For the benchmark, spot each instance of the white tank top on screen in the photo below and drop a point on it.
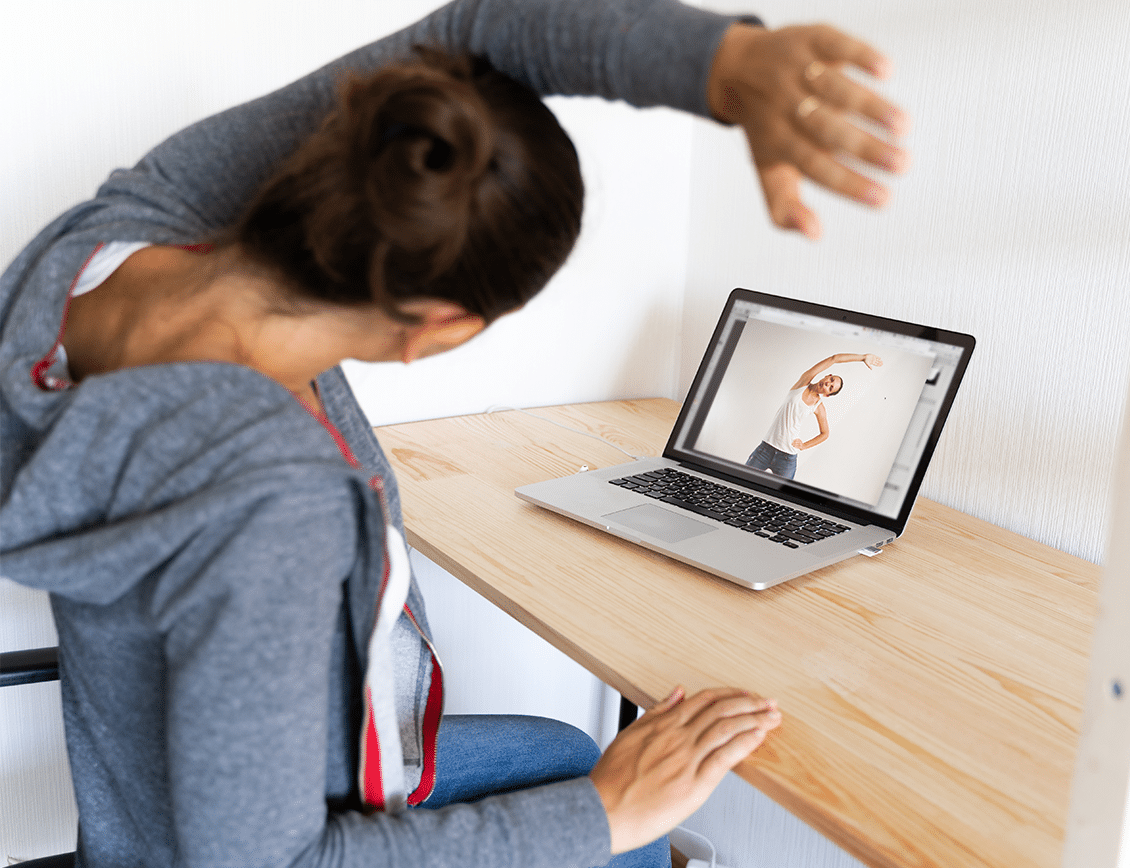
(786, 426)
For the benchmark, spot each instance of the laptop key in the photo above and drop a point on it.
(695, 508)
(772, 521)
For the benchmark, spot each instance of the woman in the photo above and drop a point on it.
(246, 667)
(778, 451)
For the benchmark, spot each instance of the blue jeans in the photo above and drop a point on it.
(479, 756)
(766, 457)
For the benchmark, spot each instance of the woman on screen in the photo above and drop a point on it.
(778, 451)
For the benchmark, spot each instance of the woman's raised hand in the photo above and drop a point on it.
(804, 117)
(663, 767)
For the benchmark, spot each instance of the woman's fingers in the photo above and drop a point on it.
(836, 46)
(780, 183)
(726, 721)
(830, 127)
(732, 751)
(805, 116)
(828, 123)
(834, 50)
(674, 698)
(662, 768)
(836, 89)
(830, 171)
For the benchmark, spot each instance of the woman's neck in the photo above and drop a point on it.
(167, 304)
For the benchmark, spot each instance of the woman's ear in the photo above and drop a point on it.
(444, 326)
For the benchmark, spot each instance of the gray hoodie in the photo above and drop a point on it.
(214, 563)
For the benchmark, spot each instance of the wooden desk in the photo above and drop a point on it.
(932, 695)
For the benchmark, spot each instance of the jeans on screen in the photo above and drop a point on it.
(766, 457)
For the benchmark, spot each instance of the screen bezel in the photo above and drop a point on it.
(705, 392)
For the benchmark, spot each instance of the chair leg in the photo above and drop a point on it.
(629, 711)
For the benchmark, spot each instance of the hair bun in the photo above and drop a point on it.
(438, 159)
(439, 177)
(422, 143)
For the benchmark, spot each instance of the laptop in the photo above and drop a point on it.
(803, 441)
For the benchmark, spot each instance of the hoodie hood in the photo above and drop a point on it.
(136, 469)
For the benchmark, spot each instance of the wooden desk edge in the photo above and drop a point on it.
(1082, 573)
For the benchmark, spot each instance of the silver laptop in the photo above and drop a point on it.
(803, 441)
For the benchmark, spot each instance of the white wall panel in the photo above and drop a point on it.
(749, 830)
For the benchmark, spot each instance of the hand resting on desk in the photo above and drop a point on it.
(663, 767)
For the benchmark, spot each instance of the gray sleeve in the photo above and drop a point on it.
(645, 52)
(247, 646)
(247, 652)
(560, 825)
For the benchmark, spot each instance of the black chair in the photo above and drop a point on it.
(31, 667)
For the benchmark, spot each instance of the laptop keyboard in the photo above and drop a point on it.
(773, 521)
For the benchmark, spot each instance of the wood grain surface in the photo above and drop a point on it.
(932, 695)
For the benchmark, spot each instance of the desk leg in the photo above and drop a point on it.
(629, 711)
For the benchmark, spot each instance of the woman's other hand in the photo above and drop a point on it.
(663, 767)
(804, 117)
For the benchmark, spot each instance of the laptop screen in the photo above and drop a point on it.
(827, 406)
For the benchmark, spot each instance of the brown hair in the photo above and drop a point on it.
(439, 177)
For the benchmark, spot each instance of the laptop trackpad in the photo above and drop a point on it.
(659, 523)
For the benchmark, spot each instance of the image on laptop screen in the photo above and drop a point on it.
(839, 406)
